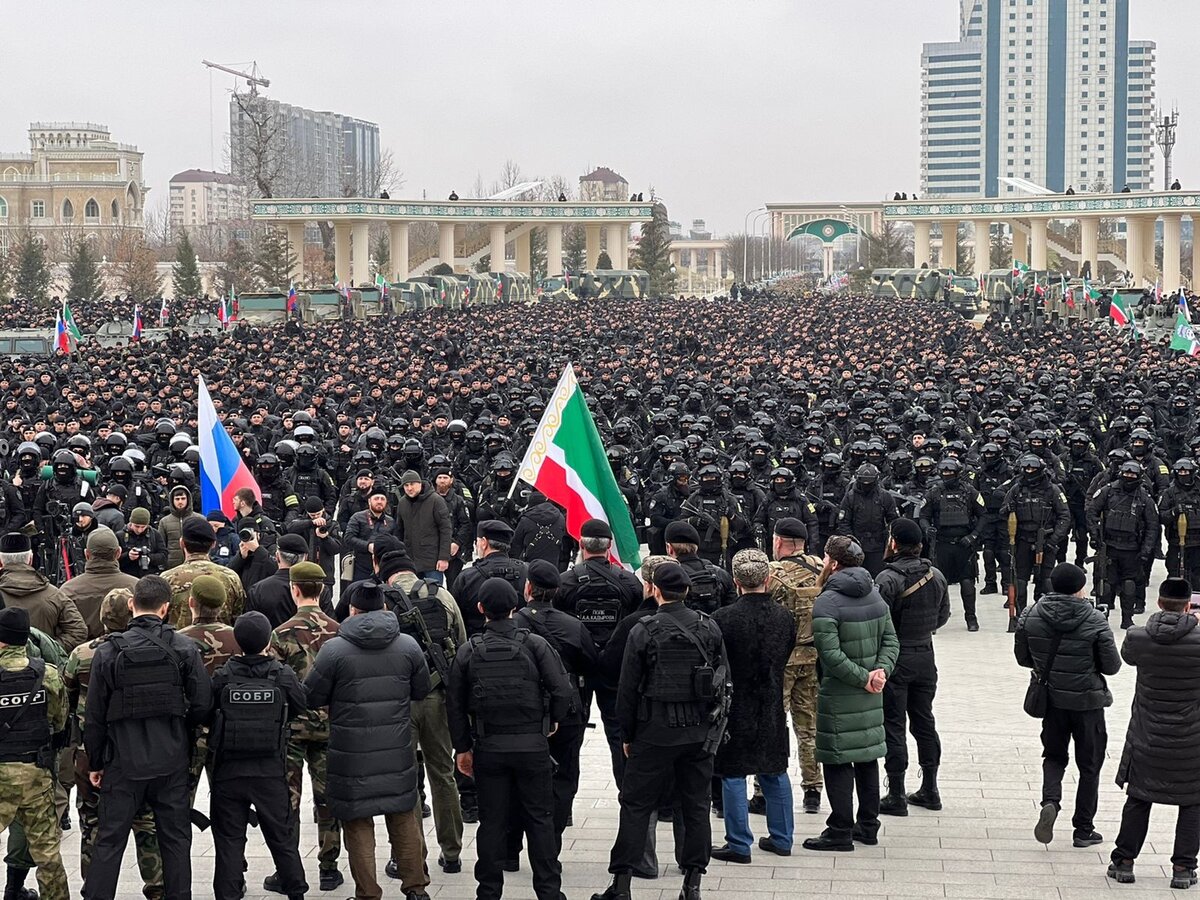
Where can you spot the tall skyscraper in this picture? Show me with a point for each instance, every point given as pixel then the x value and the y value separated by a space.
pixel 301 152
pixel 1052 91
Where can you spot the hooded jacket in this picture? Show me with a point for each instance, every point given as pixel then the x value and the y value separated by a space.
pixel 87 589
pixel 1086 654
pixel 368 676
pixel 23 587
pixel 170 526
pixel 423 523
pixel 853 634
pixel 1160 762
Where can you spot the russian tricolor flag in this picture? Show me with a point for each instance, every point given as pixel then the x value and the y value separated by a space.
pixel 222 470
pixel 137 324
pixel 291 298
pixel 62 340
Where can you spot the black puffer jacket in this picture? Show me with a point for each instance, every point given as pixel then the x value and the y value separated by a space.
pixel 1160 763
pixel 368 675
pixel 1087 652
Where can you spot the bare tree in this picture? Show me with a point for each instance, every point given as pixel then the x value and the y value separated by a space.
pixel 261 143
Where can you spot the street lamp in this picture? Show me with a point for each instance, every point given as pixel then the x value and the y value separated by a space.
pixel 745 239
pixel 754 225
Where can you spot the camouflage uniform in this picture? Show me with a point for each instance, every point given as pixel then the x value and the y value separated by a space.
pixel 27 790
pixel 181 577
pixel 76 676
pixel 794 586
pixel 296 643
pixel 217 645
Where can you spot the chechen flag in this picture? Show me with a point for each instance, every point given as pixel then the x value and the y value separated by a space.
pixel 1184 337
pixel 222 470
pixel 567 463
pixel 1120 312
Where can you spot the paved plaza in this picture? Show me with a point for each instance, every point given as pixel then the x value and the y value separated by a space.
pixel 979 846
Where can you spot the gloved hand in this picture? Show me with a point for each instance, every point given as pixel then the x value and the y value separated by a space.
pixel 967 541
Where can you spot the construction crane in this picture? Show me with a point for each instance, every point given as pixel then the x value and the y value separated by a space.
pixel 253 78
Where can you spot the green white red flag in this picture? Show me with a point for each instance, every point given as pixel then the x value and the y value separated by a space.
pixel 1184 337
pixel 566 462
pixel 1120 312
pixel 1019 268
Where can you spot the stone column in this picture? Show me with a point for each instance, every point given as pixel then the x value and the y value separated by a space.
pixel 1150 264
pixel 361 243
pixel 827 266
pixel 1089 240
pixel 1172 225
pixel 591 235
pixel 1195 252
pixel 720 264
pixel 295 236
pixel 398 250
pixel 983 246
pixel 949 245
pixel 1019 243
pixel 612 240
pixel 554 238
pixel 623 245
pixel 921 254
pixel 341 252
pixel 524 257
pixel 496 233
pixel 1037 244
pixel 1135 251
pixel 446 243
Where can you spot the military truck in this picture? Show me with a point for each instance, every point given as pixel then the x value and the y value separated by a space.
pixel 622 284
pixel 321 304
pixel 958 291
pixel 27 342
pixel 263 308
pixel 556 287
pixel 117 333
pixel 366 303
pixel 480 288
pixel 413 296
pixel 514 287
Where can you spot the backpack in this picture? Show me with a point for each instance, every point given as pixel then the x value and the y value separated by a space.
pixel 599 602
pixel 148 680
pixel 251 717
pixel 416 614
pixel 704 595
pixel 506 687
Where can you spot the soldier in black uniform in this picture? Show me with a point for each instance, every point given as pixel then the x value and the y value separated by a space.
pixel 600 594
pixel 573 643
pixel 148 692
pixel 865 512
pixel 306 480
pixel 951 520
pixel 715 514
pixel 1180 505
pixel 507 694
pixel 274 489
pixel 672 683
pixel 917 595
pixel 992 479
pixel 666 505
pixel 1080 466
pixel 711 586
pixel 255 697
pixel 753 502
pixel 1123 520
pixel 786 501
pixel 1043 520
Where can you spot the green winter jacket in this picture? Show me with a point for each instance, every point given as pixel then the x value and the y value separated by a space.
pixel 853 633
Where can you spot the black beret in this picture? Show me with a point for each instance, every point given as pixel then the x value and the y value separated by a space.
pixel 906 532
pixel 543 574
pixel 672 578
pixel 377 490
pixel 494 530
pixel 681 533
pixel 791 528
pixel 292 543
pixel 595 528
pixel 497 589
pixel 197 529
pixel 15 542
pixel 1067 578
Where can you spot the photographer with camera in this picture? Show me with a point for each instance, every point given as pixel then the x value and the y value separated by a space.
pixel 254 563
pixel 323 535
pixel 144 551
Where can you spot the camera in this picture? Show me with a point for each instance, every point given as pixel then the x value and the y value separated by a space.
pixel 246 535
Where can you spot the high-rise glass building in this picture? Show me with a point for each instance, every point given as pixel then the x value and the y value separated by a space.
pixel 1051 91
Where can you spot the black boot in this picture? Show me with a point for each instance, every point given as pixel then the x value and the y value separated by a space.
pixel 894 802
pixel 691 885
pixel 14 888
pixel 618 890
pixel 928 796
pixel 967 588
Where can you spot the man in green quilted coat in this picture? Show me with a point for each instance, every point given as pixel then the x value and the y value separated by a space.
pixel 856 651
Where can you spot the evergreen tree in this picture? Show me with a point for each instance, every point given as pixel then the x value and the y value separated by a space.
pixel 381 252
pixel 31 276
pixel 185 274
pixel 603 261
pixel 83 273
pixel 653 253
pixel 237 269
pixel 574 249
pixel 5 274
pixel 274 262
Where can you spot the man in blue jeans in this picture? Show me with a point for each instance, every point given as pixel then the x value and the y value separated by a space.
pixel 759 636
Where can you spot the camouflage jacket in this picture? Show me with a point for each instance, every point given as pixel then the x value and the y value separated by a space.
pixel 216 643
pixel 14 659
pixel 794 587
pixel 296 642
pixel 76 674
pixel 181 577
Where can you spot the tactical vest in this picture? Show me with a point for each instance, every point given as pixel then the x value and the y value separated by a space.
pixel 148 680
pixel 678 674
pixel 423 617
pixel 787 575
pixel 503 567
pixel 704 596
pixel 1187 505
pixel 307 484
pixel 1123 518
pixel 598 602
pixel 506 689
pixel 1033 512
pixel 955 509
pixel 251 717
pixel 24 720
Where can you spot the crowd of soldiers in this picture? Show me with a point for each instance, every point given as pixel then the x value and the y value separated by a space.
pixel 386 453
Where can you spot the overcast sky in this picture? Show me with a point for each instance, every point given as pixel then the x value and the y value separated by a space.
pixel 721 105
